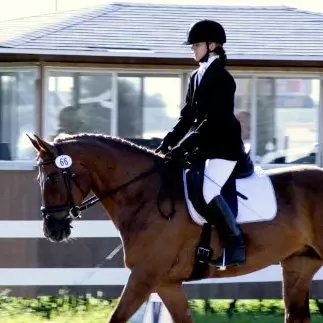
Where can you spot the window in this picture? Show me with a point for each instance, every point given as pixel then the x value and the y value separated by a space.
pixel 283 129
pixel 78 102
pixel 243 108
pixel 148 106
pixel 287 111
pixel 18 115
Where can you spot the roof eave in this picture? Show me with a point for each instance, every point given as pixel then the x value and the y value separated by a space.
pixel 142 58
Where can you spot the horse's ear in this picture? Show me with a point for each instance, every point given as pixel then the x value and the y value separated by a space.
pixel 45 146
pixel 34 142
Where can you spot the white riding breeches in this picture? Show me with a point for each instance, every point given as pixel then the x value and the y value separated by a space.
pixel 216 173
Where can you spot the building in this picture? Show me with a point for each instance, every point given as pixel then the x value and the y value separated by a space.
pixel 121 69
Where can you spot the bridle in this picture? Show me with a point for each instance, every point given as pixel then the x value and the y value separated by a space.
pixel 72 210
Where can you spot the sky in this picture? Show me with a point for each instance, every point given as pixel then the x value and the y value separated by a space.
pixel 21 8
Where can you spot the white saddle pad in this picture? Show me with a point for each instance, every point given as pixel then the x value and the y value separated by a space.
pixel 261 203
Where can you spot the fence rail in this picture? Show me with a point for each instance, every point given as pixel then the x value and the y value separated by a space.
pixel 96 276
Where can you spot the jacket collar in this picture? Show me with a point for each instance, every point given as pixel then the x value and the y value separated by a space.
pixel 205 65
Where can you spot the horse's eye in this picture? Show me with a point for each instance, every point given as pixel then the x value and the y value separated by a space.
pixel 53 178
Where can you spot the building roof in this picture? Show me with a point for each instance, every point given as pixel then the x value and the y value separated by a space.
pixel 158 30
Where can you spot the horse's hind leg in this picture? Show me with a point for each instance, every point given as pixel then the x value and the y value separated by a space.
pixel 298 272
pixel 176 302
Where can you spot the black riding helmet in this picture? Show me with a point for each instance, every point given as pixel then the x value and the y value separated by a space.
pixel 206 31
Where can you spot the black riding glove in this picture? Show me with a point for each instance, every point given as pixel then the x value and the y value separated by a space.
pixel 180 152
pixel 166 144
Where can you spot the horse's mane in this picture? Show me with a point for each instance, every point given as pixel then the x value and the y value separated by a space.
pixel 173 181
pixel 106 139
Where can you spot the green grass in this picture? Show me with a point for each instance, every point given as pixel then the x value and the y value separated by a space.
pixel 90 317
pixel 245 318
pixel 101 316
pixel 68 309
pixel 246 311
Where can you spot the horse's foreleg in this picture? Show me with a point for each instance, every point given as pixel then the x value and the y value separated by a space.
pixel 134 294
pixel 298 272
pixel 176 302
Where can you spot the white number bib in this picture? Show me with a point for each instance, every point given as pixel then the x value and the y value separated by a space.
pixel 63 161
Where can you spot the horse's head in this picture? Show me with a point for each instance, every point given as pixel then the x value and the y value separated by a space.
pixel 64 183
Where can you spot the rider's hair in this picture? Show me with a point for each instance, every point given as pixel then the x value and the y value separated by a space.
pixel 219 50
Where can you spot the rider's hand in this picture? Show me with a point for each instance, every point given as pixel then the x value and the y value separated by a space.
pixel 162 149
pixel 175 156
pixel 165 145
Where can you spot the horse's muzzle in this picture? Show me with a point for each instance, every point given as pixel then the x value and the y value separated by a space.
pixel 57 230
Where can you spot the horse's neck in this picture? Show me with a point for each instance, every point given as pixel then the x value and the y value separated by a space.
pixel 109 176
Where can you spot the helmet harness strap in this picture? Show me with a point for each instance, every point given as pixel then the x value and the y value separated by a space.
pixel 206 57
pixel 207 54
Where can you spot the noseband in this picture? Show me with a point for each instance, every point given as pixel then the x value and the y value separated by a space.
pixel 73 210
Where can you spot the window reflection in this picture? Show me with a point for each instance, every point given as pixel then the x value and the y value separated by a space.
pixel 130 106
pixel 17 113
pixel 243 108
pixel 148 106
pixel 78 102
pixel 287 120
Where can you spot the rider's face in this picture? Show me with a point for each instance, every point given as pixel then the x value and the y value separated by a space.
pixel 200 49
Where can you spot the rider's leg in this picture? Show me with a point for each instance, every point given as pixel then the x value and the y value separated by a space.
pixel 224 209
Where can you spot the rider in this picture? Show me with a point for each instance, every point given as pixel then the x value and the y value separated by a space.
pixel 207 122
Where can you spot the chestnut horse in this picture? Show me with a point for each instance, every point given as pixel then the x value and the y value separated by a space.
pixel 136 189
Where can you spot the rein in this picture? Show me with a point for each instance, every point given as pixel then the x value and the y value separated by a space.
pixel 74 210
pixel 93 200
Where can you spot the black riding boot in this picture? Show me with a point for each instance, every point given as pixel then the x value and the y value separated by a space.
pixel 229 234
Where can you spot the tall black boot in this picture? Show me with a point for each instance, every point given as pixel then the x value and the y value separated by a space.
pixel 229 234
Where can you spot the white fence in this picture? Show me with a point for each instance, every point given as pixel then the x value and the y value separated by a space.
pixel 96 276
